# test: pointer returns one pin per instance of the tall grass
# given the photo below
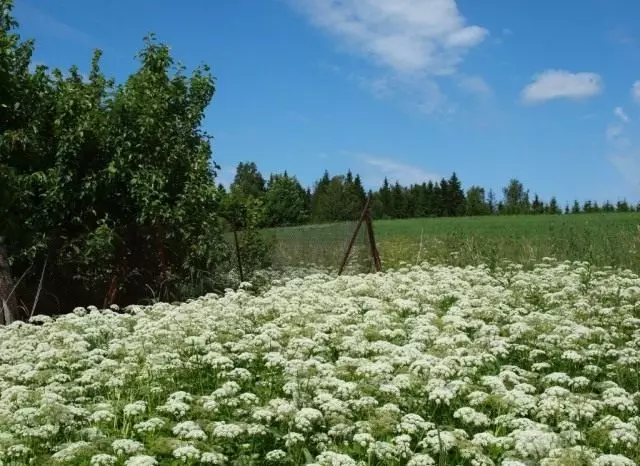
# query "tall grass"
(601, 239)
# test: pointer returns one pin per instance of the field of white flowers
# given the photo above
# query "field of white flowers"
(421, 366)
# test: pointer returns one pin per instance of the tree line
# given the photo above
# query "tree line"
(341, 197)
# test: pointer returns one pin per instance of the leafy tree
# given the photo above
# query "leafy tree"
(318, 198)
(516, 199)
(111, 186)
(354, 197)
(244, 216)
(285, 201)
(476, 204)
(248, 180)
(491, 202)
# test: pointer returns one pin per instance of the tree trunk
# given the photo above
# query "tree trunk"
(8, 301)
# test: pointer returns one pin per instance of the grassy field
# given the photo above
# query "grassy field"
(602, 239)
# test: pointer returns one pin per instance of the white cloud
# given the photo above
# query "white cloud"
(556, 84)
(414, 41)
(377, 168)
(475, 85)
(620, 113)
(408, 36)
(635, 91)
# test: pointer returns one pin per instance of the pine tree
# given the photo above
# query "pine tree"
(456, 199)
(432, 196)
(399, 199)
(442, 197)
(575, 209)
(537, 206)
(553, 208)
(386, 200)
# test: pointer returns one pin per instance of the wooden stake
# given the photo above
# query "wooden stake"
(235, 237)
(372, 243)
(354, 236)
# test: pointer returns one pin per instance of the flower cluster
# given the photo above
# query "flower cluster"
(418, 366)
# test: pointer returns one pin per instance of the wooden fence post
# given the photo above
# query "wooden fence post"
(8, 301)
(365, 217)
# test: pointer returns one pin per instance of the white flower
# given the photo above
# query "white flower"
(329, 458)
(70, 452)
(134, 409)
(126, 446)
(275, 456)
(213, 458)
(186, 453)
(421, 459)
(189, 430)
(149, 426)
(103, 460)
(613, 460)
(141, 460)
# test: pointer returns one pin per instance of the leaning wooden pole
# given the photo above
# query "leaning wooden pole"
(354, 236)
(239, 257)
(372, 243)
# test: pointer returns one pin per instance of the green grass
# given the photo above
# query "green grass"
(602, 239)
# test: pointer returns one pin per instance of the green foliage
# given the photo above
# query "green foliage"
(248, 181)
(112, 184)
(244, 215)
(285, 202)
(476, 203)
(339, 198)
(516, 198)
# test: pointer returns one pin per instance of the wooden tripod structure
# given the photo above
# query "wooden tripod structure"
(365, 218)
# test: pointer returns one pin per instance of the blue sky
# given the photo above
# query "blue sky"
(545, 91)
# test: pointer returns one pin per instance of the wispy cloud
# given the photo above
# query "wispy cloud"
(557, 84)
(376, 168)
(415, 41)
(621, 114)
(475, 85)
(628, 166)
(616, 131)
(52, 26)
(635, 91)
(624, 149)
(621, 35)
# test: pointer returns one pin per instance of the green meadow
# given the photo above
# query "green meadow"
(609, 239)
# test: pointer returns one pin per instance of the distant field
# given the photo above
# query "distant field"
(603, 239)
